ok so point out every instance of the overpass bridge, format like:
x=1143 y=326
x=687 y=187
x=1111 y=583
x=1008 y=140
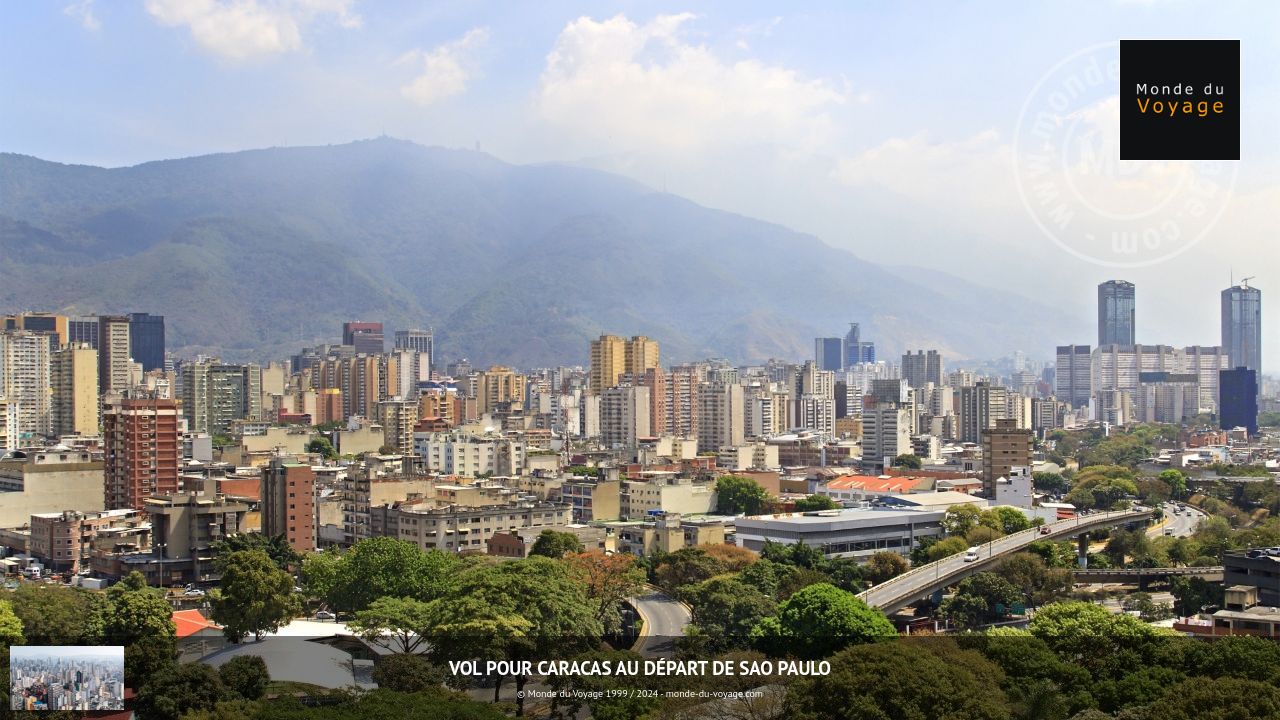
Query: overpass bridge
x=1142 y=576
x=901 y=591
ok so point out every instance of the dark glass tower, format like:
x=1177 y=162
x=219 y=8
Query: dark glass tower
x=1116 y=313
x=1242 y=326
x=146 y=340
x=1238 y=403
x=828 y=353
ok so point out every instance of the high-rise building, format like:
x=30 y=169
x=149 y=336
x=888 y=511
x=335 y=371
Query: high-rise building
x=612 y=357
x=146 y=340
x=656 y=380
x=25 y=382
x=141 y=450
x=54 y=326
x=624 y=416
x=857 y=350
x=113 y=353
x=422 y=342
x=215 y=395
x=919 y=368
x=1004 y=447
x=886 y=434
x=1242 y=326
x=82 y=329
x=74 y=380
x=1239 y=404
x=398 y=416
x=359 y=379
x=681 y=401
x=978 y=408
x=288 y=502
x=721 y=416
x=499 y=386
x=365 y=337
x=829 y=353
x=1073 y=375
x=1116 y=303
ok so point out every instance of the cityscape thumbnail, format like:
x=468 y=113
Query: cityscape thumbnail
x=66 y=678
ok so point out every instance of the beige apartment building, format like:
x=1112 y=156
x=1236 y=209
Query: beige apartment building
x=467 y=529
x=74 y=379
x=48 y=480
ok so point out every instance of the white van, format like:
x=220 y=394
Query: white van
x=971 y=554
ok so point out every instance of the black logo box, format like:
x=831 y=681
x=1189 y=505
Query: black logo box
x=1186 y=65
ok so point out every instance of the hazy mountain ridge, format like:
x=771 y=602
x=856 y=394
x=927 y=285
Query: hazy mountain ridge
x=254 y=254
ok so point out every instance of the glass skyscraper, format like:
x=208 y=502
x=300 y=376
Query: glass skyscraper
x=146 y=340
x=1242 y=326
x=1116 y=304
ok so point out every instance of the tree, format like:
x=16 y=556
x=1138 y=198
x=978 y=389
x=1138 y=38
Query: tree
x=884 y=566
x=555 y=544
x=1050 y=482
x=1033 y=578
x=908 y=461
x=981 y=535
x=246 y=675
x=732 y=557
x=1088 y=633
x=59 y=615
x=401 y=624
x=965 y=611
x=686 y=566
x=818 y=620
x=137 y=613
x=1004 y=519
x=407 y=673
x=180 y=689
x=815 y=502
x=945 y=548
x=738 y=495
x=276 y=547
x=1176 y=481
x=1148 y=610
x=254 y=597
x=526 y=610
x=608 y=580
x=725 y=610
x=1217 y=699
x=10 y=626
x=1192 y=594
x=323 y=447
x=382 y=567
x=929 y=680
x=960 y=519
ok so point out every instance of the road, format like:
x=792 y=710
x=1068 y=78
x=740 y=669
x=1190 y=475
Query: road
x=665 y=619
x=895 y=594
x=1181 y=523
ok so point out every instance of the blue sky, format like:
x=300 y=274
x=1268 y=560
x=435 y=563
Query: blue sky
x=885 y=128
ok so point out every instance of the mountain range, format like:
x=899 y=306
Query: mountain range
x=254 y=254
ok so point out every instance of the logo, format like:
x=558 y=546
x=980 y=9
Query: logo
x=1089 y=198
x=1180 y=99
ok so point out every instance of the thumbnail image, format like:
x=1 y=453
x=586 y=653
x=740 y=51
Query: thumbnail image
x=66 y=678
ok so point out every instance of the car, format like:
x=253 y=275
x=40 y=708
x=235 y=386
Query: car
x=324 y=615
x=1169 y=532
x=1045 y=529
x=971 y=554
x=193 y=592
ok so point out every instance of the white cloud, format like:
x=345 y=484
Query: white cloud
x=83 y=11
x=240 y=29
x=643 y=87
x=445 y=69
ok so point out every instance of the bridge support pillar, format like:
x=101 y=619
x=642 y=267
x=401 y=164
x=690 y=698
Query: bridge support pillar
x=1082 y=551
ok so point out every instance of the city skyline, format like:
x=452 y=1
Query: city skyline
x=889 y=166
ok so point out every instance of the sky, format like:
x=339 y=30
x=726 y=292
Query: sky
x=895 y=130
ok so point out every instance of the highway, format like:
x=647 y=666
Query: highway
x=1182 y=523
x=665 y=619
x=899 y=592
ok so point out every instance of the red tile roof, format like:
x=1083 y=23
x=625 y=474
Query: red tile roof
x=190 y=622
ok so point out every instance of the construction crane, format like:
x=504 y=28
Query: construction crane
x=1244 y=282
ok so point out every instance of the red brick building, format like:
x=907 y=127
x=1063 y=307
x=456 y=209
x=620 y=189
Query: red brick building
x=289 y=503
x=141 y=451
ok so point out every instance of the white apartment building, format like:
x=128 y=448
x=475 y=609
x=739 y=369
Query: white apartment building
x=25 y=381
x=468 y=455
